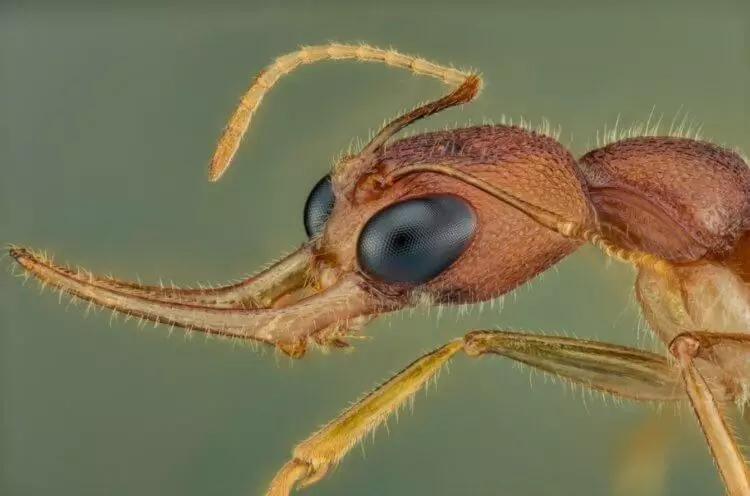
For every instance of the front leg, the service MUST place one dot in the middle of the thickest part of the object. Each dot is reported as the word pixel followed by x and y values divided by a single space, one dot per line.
pixel 618 370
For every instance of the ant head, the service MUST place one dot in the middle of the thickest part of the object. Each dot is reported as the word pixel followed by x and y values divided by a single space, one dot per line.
pixel 445 217
pixel 422 221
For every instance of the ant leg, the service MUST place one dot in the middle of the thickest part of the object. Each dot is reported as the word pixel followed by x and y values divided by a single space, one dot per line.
pixel 722 442
pixel 618 370
pixel 712 364
pixel 468 86
pixel 313 457
pixel 606 367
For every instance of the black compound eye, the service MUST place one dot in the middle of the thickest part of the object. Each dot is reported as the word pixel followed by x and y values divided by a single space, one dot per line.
pixel 415 240
pixel 318 206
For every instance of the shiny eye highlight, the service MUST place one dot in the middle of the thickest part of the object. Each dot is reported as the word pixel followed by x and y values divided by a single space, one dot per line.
pixel 415 240
pixel 318 206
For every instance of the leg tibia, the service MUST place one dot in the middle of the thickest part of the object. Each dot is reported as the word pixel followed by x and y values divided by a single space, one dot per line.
pixel 327 446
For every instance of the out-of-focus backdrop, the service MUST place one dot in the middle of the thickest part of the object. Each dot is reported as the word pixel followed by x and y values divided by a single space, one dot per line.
pixel 108 117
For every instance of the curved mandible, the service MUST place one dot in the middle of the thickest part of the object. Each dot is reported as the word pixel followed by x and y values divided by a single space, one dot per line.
pixel 266 78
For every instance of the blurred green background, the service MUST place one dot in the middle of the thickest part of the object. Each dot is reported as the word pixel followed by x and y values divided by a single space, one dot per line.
pixel 108 117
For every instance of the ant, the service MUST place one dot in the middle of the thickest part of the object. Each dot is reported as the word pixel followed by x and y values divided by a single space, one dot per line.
pixel 468 214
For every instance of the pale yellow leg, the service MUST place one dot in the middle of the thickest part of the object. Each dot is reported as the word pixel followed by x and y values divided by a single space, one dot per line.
pixel 615 369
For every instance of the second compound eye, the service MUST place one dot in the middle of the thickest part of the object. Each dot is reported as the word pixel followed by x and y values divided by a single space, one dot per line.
pixel 415 240
pixel 318 206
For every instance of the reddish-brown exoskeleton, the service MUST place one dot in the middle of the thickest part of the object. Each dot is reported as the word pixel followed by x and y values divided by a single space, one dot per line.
pixel 468 214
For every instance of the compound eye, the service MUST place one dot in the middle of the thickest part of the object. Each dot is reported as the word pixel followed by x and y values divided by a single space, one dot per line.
pixel 415 240
pixel 318 206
